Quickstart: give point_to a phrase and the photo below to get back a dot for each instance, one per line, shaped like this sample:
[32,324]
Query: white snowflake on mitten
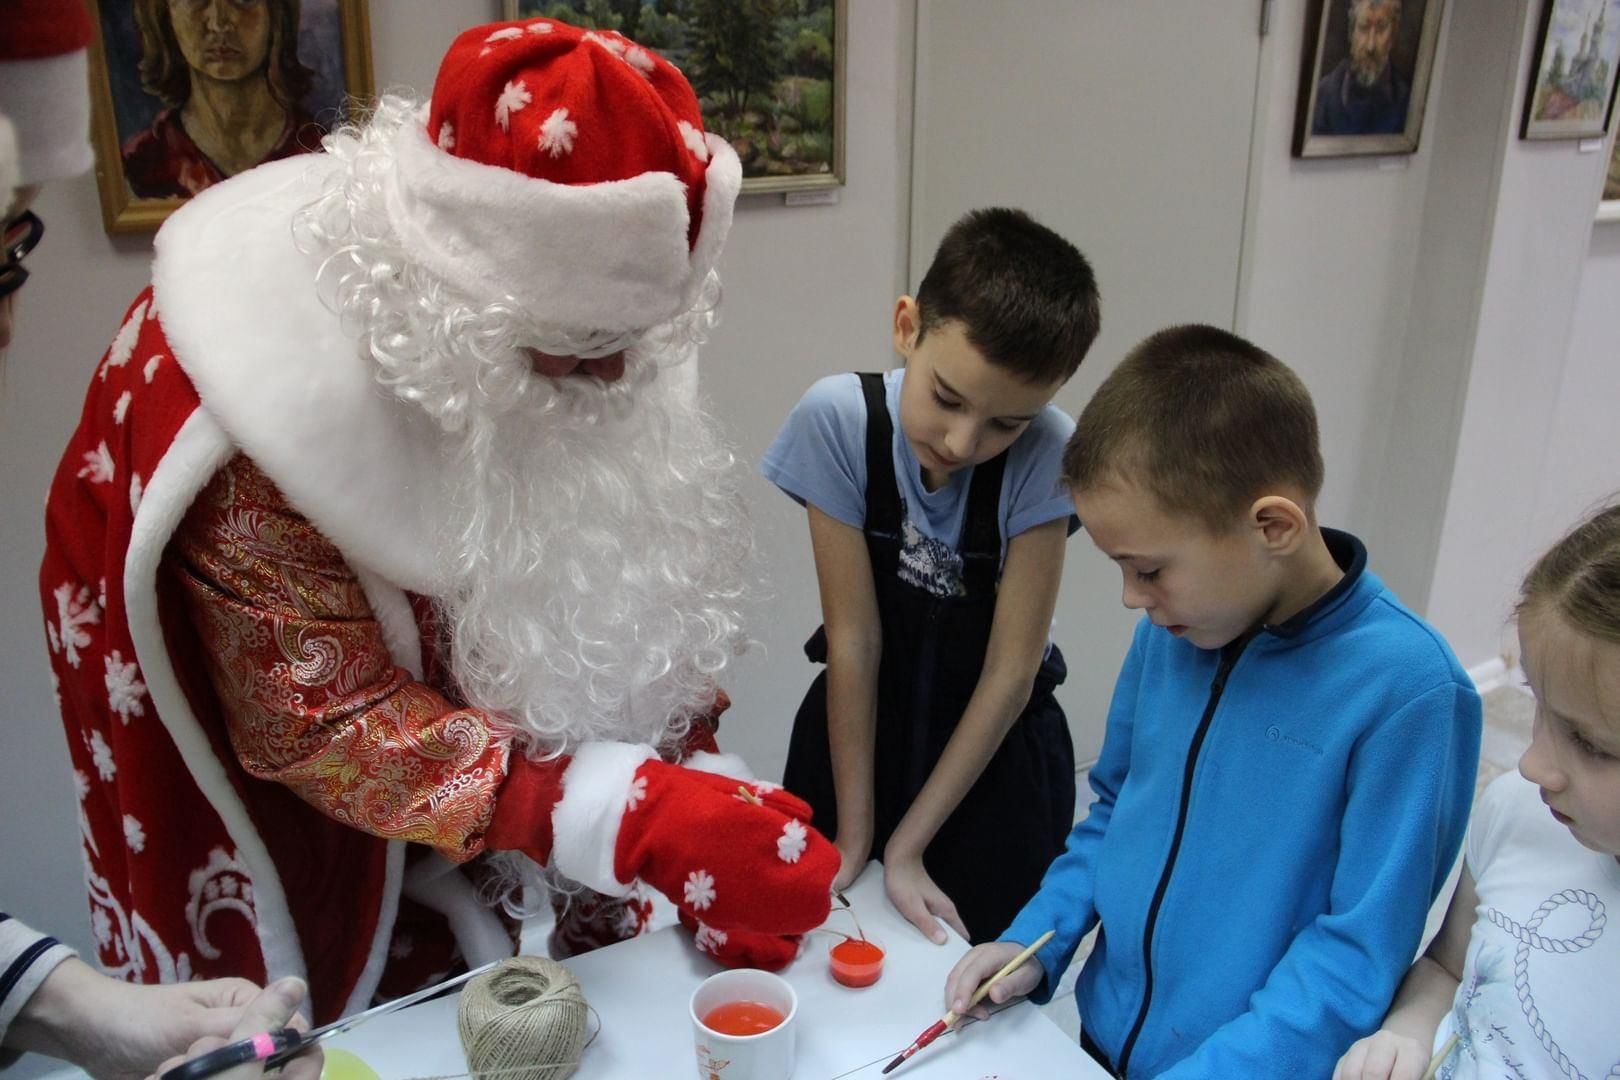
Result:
[513,98]
[124,687]
[794,839]
[699,890]
[74,612]
[708,939]
[557,134]
[98,465]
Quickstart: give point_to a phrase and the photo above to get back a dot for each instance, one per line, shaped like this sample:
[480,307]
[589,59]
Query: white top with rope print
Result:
[1538,990]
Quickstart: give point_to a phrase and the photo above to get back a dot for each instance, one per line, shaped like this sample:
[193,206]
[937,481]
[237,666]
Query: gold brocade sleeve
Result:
[311,694]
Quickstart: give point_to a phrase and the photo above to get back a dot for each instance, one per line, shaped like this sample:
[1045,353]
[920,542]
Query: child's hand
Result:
[981,962]
[914,895]
[853,854]
[1383,1055]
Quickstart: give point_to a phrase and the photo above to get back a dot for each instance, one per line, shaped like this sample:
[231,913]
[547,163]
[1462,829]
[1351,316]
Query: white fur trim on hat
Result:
[586,820]
[605,256]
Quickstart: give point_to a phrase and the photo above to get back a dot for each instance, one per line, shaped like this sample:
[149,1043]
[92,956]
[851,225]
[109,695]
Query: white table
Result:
[640,990]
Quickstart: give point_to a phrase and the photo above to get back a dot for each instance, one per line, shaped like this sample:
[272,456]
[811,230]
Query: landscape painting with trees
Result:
[768,73]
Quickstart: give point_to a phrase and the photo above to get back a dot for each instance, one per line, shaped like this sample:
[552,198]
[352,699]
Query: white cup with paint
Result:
[743,1026]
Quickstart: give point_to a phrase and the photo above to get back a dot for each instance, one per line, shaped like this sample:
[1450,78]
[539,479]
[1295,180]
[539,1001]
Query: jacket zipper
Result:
[1229,658]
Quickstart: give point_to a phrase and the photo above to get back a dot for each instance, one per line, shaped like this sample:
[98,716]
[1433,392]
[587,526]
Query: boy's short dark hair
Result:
[1026,297]
[1202,419]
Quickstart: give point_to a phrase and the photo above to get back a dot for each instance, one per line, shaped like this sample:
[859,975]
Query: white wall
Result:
[1328,273]
[809,292]
[1521,394]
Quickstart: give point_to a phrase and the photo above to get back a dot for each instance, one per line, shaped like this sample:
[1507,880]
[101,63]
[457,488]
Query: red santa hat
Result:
[566,169]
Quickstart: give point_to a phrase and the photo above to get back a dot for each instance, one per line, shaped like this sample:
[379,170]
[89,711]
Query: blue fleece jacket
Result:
[1271,824]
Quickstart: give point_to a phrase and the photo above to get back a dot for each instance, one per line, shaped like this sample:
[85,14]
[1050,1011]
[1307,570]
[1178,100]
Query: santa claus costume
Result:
[363,541]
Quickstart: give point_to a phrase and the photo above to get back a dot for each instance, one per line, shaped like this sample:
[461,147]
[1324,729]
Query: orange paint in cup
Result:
[742,1018]
[855,962]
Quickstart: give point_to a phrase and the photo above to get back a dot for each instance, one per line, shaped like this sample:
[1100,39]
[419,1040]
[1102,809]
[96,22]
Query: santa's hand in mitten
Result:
[735,855]
[743,948]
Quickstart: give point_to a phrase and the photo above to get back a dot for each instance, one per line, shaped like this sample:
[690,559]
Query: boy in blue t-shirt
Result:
[938,520]
[1290,752]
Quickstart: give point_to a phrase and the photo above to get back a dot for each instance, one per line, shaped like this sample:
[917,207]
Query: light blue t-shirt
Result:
[819,458]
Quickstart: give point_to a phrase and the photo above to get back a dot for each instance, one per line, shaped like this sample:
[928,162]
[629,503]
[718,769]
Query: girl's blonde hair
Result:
[1579,577]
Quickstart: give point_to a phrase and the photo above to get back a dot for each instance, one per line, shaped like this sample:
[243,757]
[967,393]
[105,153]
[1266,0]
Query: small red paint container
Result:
[855,962]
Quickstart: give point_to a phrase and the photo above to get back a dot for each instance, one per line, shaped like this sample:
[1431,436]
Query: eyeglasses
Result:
[22,236]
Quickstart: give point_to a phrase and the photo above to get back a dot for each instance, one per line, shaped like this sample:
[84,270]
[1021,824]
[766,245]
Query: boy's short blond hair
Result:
[1204,421]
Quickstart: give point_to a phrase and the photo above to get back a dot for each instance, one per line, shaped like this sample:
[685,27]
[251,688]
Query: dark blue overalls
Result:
[992,851]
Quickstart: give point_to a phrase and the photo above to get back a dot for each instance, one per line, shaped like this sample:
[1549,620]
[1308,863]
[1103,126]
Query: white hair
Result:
[600,545]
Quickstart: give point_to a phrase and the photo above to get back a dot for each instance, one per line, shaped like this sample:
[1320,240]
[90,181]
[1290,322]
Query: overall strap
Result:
[882,493]
[981,525]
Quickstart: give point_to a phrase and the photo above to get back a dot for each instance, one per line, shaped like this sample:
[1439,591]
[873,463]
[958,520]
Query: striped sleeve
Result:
[26,957]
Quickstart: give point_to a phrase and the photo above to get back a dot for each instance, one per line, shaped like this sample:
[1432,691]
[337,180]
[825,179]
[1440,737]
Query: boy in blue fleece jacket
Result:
[1290,753]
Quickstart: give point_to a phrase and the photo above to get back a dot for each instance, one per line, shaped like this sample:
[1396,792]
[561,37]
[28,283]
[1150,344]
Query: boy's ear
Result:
[907,325]
[1281,524]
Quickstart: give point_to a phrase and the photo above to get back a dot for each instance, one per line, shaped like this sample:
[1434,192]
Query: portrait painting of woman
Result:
[200,90]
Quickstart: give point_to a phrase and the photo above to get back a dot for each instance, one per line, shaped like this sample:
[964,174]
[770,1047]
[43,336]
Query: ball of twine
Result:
[525,1020]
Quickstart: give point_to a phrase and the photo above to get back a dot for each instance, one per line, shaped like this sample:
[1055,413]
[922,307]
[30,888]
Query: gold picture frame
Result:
[790,134]
[147,161]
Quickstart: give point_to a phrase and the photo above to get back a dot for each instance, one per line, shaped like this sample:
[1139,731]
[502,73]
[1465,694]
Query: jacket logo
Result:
[1278,735]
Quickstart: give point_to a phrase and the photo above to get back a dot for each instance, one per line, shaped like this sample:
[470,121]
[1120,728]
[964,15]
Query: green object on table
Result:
[343,1065]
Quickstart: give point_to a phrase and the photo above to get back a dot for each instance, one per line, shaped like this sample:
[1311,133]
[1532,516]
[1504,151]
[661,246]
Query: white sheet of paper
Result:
[641,988]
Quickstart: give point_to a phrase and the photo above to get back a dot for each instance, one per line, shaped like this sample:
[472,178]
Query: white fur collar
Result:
[271,364]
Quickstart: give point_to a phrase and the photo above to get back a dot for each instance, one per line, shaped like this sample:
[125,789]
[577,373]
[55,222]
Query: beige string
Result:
[525,1020]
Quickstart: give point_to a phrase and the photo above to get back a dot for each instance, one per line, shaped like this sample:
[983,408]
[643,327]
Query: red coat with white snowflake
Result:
[235,541]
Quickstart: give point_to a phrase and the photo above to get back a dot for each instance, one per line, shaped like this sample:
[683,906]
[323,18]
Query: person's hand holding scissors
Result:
[274,1007]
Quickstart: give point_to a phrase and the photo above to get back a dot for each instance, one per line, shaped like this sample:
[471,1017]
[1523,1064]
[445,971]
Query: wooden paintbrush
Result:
[949,1018]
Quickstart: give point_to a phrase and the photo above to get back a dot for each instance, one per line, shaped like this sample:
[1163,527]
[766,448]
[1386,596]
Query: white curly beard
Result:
[599,541]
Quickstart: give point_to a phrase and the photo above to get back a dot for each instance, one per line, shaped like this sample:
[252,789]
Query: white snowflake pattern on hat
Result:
[557,133]
[641,60]
[508,33]
[693,138]
[447,137]
[539,28]
[614,45]
[512,99]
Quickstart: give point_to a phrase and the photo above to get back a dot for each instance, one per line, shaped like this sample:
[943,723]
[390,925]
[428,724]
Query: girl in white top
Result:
[1520,982]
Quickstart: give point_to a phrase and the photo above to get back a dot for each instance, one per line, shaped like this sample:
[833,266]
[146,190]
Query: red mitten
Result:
[735,855]
[742,948]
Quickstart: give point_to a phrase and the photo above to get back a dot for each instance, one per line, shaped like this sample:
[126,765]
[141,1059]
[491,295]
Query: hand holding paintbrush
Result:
[1011,976]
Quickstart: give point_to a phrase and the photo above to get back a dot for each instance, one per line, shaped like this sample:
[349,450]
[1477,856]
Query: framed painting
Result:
[769,74]
[1571,92]
[1365,76]
[184,93]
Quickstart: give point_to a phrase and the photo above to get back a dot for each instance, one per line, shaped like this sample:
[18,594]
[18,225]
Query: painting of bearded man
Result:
[1367,76]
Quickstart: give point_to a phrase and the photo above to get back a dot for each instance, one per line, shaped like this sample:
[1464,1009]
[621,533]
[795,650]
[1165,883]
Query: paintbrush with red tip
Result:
[949,1018]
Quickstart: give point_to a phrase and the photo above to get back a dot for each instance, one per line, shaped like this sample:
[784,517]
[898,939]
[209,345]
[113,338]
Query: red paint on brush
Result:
[923,1040]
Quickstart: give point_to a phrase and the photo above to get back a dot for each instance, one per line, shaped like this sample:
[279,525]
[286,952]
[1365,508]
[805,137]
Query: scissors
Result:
[276,1048]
